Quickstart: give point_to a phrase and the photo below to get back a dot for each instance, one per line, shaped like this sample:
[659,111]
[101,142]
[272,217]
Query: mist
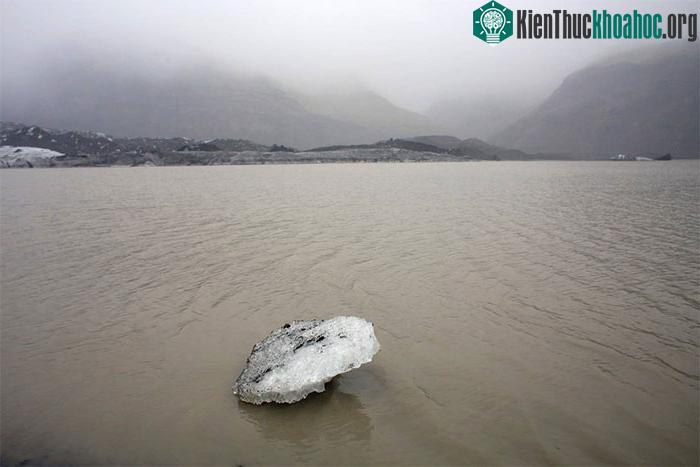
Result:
[412,52]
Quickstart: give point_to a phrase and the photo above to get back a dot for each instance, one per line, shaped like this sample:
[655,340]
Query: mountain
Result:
[80,143]
[482,116]
[201,103]
[371,111]
[638,104]
[457,149]
[65,142]
[197,104]
[441,141]
[23,146]
[34,146]
[478,149]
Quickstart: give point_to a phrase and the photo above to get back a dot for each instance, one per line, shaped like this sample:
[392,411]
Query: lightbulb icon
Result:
[493,21]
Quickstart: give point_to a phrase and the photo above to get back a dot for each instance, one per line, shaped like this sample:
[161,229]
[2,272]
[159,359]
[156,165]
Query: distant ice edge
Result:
[302,356]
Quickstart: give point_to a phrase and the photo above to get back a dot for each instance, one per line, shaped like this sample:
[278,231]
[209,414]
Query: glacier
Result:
[26,156]
[302,356]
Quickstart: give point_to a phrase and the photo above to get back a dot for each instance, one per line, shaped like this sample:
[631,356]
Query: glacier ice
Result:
[302,356]
[25,156]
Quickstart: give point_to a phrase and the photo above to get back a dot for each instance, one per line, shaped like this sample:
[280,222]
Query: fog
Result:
[414,52]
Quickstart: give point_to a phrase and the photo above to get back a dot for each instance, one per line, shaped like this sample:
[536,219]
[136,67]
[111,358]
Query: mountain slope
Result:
[201,103]
[633,105]
[468,149]
[23,146]
[476,148]
[477,116]
[371,111]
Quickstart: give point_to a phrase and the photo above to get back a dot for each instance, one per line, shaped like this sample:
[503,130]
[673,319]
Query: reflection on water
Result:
[528,313]
[330,415]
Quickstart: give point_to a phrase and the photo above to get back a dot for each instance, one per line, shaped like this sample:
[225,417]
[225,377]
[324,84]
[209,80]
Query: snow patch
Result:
[26,156]
[27,151]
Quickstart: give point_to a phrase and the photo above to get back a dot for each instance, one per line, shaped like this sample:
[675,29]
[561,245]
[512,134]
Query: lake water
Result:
[535,312]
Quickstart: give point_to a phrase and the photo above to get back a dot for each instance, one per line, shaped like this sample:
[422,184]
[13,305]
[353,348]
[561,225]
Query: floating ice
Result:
[300,358]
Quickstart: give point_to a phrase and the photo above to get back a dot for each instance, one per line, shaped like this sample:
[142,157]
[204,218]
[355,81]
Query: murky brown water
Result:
[536,312]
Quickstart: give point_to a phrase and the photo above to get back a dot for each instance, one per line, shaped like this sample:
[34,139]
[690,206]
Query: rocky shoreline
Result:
[23,146]
[198,158]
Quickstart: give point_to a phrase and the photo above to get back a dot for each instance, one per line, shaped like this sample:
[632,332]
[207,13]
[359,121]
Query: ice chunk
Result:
[302,356]
[26,156]
[27,151]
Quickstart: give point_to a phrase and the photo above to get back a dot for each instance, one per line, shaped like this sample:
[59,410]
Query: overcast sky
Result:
[412,51]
